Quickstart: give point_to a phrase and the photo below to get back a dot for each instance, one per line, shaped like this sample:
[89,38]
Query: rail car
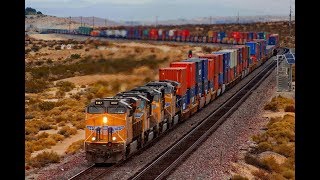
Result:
[118,126]
[176,35]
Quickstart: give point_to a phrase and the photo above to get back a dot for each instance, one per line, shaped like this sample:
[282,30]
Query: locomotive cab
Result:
[108,129]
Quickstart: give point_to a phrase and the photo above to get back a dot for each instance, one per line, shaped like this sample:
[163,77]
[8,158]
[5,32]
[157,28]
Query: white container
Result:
[117,33]
[109,33]
[171,32]
[160,32]
[123,33]
[233,56]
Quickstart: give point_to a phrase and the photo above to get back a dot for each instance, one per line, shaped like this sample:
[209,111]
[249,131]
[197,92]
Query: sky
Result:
[135,10]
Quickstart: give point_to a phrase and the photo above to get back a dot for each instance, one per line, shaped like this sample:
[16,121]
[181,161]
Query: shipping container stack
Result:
[153,34]
[220,36]
[191,80]
[185,35]
[273,40]
[254,52]
[223,77]
[179,75]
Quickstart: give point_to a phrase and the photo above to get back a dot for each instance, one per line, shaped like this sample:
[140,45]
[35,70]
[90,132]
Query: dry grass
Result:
[75,147]
[279,103]
[238,177]
[43,159]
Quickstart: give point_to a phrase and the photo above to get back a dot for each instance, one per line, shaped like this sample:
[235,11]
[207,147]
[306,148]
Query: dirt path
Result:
[62,146]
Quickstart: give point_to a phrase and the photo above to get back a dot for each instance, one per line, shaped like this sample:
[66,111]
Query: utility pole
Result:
[290,20]
[93,22]
[69,23]
[238,19]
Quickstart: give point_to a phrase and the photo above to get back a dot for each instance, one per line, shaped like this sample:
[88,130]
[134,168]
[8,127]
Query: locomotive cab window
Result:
[96,109]
[116,110]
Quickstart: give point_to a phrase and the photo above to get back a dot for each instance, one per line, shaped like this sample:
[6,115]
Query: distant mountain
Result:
[96,21]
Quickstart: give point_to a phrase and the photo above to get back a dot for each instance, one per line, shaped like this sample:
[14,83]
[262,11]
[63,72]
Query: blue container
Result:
[198,69]
[220,79]
[226,59]
[260,35]
[136,34]
[250,35]
[188,96]
[225,76]
[198,89]
[205,87]
[272,41]
[252,48]
[221,35]
[181,102]
[211,85]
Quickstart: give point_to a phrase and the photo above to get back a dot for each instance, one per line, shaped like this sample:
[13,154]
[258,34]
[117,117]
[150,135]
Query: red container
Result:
[239,69]
[191,70]
[215,82]
[210,69]
[255,35]
[231,74]
[95,33]
[220,62]
[175,74]
[185,33]
[153,34]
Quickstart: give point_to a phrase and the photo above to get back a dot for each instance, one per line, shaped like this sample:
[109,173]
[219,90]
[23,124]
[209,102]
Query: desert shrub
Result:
[49,61]
[83,86]
[55,111]
[44,158]
[60,94]
[260,174]
[29,116]
[66,131]
[275,176]
[39,63]
[46,105]
[30,137]
[76,97]
[289,174]
[264,146]
[238,177]
[61,118]
[56,137]
[61,124]
[65,86]
[75,147]
[31,130]
[207,49]
[35,48]
[272,164]
[272,106]
[42,135]
[36,85]
[289,108]
[285,150]
[57,47]
[54,127]
[79,125]
[249,159]
[47,142]
[75,56]
[86,49]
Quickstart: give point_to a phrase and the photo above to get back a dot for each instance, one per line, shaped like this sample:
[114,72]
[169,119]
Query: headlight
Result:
[114,138]
[93,138]
[105,119]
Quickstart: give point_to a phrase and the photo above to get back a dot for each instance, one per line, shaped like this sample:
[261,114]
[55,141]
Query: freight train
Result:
[120,125]
[177,35]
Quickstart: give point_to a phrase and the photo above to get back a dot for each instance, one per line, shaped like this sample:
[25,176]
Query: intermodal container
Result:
[205,87]
[273,39]
[225,60]
[153,34]
[198,71]
[175,74]
[204,67]
[191,72]
[221,79]
[95,33]
[233,57]
[220,36]
[185,33]
[216,82]
[210,69]
[214,68]
[199,89]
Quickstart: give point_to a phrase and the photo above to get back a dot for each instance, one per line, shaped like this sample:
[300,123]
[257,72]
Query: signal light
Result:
[109,144]
[190,54]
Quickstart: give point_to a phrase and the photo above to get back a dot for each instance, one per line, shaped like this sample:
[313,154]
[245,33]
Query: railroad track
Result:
[172,156]
[170,159]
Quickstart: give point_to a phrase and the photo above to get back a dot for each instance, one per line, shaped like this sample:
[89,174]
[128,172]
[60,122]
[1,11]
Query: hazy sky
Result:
[164,9]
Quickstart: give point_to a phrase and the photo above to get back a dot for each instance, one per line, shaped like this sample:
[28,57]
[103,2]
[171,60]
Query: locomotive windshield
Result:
[96,109]
[116,110]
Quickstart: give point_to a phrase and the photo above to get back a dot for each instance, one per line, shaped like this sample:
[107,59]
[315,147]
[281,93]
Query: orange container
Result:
[175,74]
[191,72]
[210,69]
